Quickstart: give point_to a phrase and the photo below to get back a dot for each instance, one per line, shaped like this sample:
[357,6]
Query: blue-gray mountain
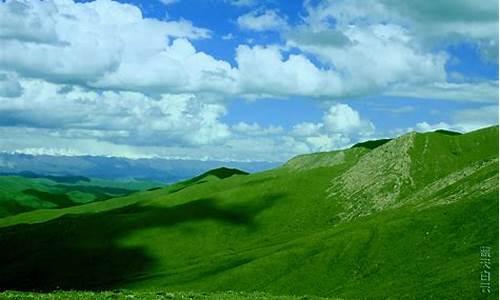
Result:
[166,170]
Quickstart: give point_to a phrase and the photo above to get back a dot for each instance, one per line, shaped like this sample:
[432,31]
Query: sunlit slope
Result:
[403,219]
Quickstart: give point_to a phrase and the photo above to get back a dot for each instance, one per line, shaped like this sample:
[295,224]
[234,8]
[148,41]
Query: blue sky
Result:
[240,79]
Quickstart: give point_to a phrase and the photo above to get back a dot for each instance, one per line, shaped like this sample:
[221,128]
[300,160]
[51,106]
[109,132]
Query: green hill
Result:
[222,173]
[29,191]
[405,219]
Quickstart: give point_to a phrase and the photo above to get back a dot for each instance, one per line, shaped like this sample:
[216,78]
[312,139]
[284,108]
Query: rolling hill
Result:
[29,191]
[404,218]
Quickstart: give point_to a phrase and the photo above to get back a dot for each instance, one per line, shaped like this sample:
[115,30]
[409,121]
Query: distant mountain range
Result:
[165,170]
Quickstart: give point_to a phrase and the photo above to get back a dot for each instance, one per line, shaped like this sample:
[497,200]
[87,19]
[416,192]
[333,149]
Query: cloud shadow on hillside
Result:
[82,252]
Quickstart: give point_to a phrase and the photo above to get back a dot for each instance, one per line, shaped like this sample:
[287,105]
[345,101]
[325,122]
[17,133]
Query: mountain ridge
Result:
[166,170]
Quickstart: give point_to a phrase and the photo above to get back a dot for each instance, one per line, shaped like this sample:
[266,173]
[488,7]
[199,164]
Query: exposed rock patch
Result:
[376,181]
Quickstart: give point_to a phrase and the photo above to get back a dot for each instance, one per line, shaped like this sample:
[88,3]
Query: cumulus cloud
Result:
[341,126]
[465,120]
[119,117]
[60,119]
[29,22]
[341,118]
[389,47]
[109,45]
[106,44]
[372,58]
[262,21]
[177,68]
[265,71]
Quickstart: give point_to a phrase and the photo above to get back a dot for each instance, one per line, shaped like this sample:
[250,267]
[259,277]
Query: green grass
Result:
[20,194]
[150,295]
[283,231]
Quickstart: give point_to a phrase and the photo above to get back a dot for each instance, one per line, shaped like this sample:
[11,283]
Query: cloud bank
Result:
[101,73]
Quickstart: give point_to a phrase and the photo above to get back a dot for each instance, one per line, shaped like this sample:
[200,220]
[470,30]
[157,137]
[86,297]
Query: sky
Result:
[240,80]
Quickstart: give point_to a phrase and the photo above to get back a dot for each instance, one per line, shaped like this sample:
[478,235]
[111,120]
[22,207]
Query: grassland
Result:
[400,219]
[150,295]
[27,192]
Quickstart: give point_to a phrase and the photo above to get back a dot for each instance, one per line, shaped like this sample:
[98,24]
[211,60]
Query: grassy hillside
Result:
[28,191]
[405,219]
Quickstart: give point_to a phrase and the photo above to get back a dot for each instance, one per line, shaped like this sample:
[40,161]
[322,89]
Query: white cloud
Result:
[372,58]
[381,47]
[488,114]
[426,127]
[228,37]
[256,129]
[30,22]
[110,45]
[341,118]
[177,68]
[472,119]
[99,77]
[242,3]
[169,2]
[396,110]
[322,142]
[264,71]
[465,120]
[341,126]
[457,127]
[237,148]
[70,120]
[446,20]
[106,44]
[262,21]
[306,128]
[9,85]
[486,91]
[119,117]
[39,141]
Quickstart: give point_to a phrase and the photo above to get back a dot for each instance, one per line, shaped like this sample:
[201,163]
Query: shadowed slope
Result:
[84,251]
